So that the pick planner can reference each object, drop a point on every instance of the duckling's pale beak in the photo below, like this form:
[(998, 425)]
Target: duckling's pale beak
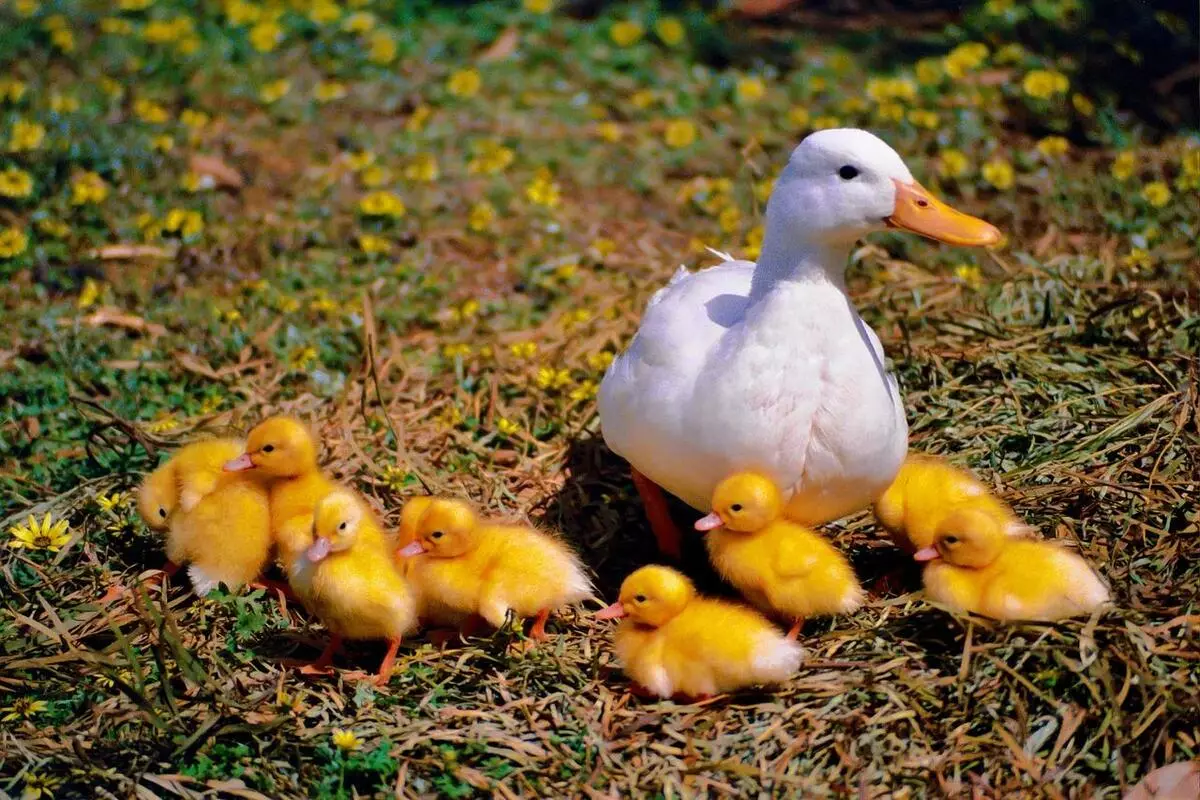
[(239, 464), (410, 550), (918, 211), (927, 554), (319, 549), (711, 522), (615, 611)]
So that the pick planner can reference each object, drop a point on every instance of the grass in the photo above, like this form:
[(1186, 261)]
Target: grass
[(456, 347)]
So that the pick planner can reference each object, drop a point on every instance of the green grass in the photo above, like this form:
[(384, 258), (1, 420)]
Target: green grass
[(1062, 368)]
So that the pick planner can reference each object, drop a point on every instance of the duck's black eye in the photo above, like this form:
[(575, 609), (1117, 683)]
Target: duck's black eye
[(162, 512), (268, 448), (342, 527), (736, 507), (848, 172), (437, 534), (951, 540), (641, 598)]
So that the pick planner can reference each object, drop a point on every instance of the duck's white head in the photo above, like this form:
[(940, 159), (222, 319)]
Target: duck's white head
[(844, 183)]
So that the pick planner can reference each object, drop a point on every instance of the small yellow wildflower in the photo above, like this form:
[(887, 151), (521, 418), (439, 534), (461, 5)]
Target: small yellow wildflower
[(422, 168), (507, 427), (89, 294), (1044, 84), (382, 49), (63, 39), (680, 133), (600, 361), (883, 89), (753, 243), (382, 204), (610, 131), (603, 247), (360, 160), (1123, 166), (63, 103), (416, 121), (584, 391), (999, 173), (44, 535), (929, 72), (551, 378), (361, 22), (457, 350), (970, 274), (13, 242), (729, 219), (964, 58), (266, 36), (1191, 163), (890, 112), (369, 243), (998, 7), (626, 32), (1053, 146), (274, 91), (27, 8), (16, 183), (186, 223), (542, 190), (464, 83), (162, 143), (798, 117), (150, 111), (323, 12), (345, 741), (642, 99), (750, 90), (23, 708), (115, 26), (301, 357), (825, 121), (54, 228), (1137, 260), (162, 424), (26, 136), (953, 163), (322, 303), (11, 90), (538, 6), (1157, 194), (195, 182), (1011, 53), (670, 31), (329, 91), (38, 785), (490, 157), (482, 215), (109, 502), (88, 188), (523, 350), (923, 118), (194, 119), (1083, 105)]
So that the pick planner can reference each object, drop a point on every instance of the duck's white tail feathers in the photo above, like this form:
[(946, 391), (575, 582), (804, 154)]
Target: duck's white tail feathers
[(852, 600), (721, 255), (776, 658), (1089, 592), (579, 586), (202, 583)]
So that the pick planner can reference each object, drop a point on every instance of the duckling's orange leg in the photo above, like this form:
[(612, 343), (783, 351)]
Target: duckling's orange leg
[(538, 631), (794, 632), (166, 571), (389, 661), (666, 533), (321, 665)]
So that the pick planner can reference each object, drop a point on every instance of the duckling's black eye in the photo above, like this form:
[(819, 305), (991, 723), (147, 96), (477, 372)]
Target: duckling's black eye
[(268, 448), (736, 507), (641, 598), (342, 527), (848, 172), (162, 512), (951, 540), (437, 534)]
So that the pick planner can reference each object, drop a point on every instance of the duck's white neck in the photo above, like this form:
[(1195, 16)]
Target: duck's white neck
[(788, 259)]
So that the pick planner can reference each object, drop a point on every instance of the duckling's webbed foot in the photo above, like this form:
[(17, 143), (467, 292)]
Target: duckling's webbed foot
[(538, 631), (654, 500)]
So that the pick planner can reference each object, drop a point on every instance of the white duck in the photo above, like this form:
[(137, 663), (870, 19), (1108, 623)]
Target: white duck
[(768, 366)]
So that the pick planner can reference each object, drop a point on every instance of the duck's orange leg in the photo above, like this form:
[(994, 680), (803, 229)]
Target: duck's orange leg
[(794, 632), (538, 631), (666, 533), (389, 661), (321, 665)]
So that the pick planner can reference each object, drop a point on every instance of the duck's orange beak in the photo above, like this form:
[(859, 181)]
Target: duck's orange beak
[(413, 549), (711, 522), (615, 611), (239, 464), (920, 212), (319, 549), (927, 554)]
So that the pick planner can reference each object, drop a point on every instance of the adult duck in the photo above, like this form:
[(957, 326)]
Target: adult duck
[(768, 367)]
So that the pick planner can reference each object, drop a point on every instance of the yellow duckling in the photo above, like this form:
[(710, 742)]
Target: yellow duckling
[(674, 642), (975, 566), (468, 566), (927, 490), (780, 567), (217, 524), (282, 454), (430, 610), (346, 577)]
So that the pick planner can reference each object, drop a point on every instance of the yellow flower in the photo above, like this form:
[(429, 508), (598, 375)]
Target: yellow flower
[(360, 160), (754, 238), (953, 164), (328, 91), (642, 99), (929, 72), (274, 91), (27, 8), (13, 242), (891, 112), (1083, 105), (600, 361), (54, 228), (964, 58), (482, 215), (997, 7), (490, 157), (729, 219), (969, 274), (542, 190), (523, 350), (63, 103), (301, 357), (603, 247), (750, 90), (361, 22), (670, 31), (23, 708), (37, 785), (416, 121), (923, 118), (63, 39), (266, 36), (372, 244), (1137, 260), (149, 111), (610, 131), (999, 173), (162, 143), (134, 5), (1053, 146), (345, 741), (88, 188), (44, 535), (382, 204), (115, 26), (1157, 194), (186, 223), (1123, 166), (798, 117), (680, 133), (565, 272), (584, 391), (538, 6), (464, 83), (89, 294), (382, 49), (883, 89), (15, 183), (551, 378), (374, 176), (1010, 54), (507, 427), (324, 12), (825, 121), (458, 350), (11, 90), (26, 136), (164, 31), (109, 502), (626, 32), (423, 168), (1044, 84)]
